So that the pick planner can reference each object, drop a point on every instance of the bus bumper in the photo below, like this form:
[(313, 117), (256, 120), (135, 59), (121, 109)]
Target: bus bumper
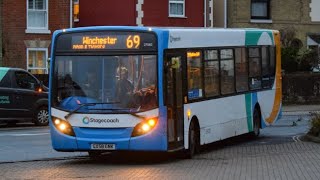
[(121, 138), (156, 140), (152, 141), (87, 136)]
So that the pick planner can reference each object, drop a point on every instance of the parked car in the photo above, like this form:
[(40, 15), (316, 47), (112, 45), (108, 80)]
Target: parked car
[(22, 97)]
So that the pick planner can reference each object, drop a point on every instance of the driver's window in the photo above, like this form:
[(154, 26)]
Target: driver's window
[(25, 80)]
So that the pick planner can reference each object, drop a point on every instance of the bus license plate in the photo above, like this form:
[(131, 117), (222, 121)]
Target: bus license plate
[(103, 146)]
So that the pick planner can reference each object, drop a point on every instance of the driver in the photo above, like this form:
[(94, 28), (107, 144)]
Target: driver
[(124, 87), (92, 85)]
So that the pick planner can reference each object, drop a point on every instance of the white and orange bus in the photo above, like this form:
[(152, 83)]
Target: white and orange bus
[(117, 88)]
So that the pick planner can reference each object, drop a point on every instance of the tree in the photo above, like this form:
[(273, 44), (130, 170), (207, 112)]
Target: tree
[(294, 56)]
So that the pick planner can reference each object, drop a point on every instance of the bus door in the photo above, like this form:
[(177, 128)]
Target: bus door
[(174, 95)]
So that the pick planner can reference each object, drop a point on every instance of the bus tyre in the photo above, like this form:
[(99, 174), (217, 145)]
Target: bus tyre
[(256, 123), (42, 116), (194, 142)]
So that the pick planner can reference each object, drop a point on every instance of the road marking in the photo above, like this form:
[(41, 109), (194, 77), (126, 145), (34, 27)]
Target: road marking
[(21, 128), (296, 138), (37, 134)]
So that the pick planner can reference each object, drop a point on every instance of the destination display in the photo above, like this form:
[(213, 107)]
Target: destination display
[(96, 41)]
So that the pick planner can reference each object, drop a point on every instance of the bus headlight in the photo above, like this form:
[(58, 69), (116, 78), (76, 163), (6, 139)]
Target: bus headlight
[(144, 127), (63, 126)]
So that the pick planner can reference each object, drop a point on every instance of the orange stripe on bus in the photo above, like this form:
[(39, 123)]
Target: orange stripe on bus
[(278, 91)]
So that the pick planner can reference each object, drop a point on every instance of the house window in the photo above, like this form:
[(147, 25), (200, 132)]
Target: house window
[(37, 60), (260, 9), (176, 8), (37, 14)]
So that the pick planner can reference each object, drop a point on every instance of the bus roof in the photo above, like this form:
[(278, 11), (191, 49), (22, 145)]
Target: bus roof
[(184, 37), (152, 28)]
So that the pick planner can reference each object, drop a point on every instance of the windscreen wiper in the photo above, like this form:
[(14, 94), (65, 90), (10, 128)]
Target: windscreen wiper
[(123, 110), (85, 104)]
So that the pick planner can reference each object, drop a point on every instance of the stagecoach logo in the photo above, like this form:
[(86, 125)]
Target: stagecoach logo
[(173, 39), (87, 120)]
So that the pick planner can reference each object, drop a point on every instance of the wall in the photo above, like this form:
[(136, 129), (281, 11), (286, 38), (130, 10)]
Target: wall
[(284, 14), (16, 40), (302, 88), (106, 12), (155, 13)]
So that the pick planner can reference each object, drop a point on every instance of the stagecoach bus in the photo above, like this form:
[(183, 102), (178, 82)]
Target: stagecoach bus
[(116, 88)]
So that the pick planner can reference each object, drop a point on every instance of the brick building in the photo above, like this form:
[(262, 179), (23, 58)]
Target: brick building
[(303, 16), (27, 28), (186, 13)]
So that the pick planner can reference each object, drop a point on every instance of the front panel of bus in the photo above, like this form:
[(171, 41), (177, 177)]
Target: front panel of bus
[(104, 91)]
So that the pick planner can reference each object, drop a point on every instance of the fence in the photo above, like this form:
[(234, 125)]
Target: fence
[(301, 88)]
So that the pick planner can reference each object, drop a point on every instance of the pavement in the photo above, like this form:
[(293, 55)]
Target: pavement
[(300, 109), (286, 161)]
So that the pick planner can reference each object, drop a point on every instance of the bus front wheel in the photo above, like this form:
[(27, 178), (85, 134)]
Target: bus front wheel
[(256, 123), (194, 140)]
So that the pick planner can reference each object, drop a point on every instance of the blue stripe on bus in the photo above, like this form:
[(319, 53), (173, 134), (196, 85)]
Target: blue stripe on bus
[(162, 44), (254, 99), (279, 114)]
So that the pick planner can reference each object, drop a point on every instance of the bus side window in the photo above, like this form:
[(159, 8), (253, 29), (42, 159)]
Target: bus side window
[(241, 70), (254, 68), (195, 89), (265, 67), (227, 71), (272, 64), (211, 73)]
